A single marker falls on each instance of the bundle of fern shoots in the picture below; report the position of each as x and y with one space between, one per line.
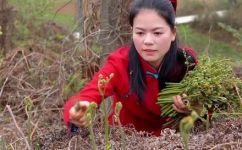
210 87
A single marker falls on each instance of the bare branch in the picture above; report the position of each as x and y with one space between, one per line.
20 131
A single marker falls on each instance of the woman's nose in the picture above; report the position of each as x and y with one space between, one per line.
148 39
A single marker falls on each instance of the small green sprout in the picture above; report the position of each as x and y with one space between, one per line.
29 107
186 124
118 108
102 86
90 115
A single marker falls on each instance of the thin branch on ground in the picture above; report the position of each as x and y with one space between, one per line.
20 131
35 127
224 144
3 86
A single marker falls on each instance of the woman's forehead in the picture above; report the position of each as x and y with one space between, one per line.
149 18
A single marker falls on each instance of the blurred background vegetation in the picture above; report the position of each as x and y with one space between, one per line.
218 35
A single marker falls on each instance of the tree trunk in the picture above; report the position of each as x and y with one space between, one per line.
104 37
108 19
80 16
114 24
7 26
232 3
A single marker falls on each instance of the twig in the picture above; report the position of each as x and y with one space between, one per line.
237 91
3 86
20 131
209 40
229 113
52 109
48 94
35 127
25 82
61 8
11 145
26 60
223 144
70 142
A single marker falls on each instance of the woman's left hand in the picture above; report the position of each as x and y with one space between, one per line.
179 106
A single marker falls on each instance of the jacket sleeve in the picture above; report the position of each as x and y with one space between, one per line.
91 92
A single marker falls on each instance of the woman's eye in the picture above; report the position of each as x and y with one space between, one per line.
139 33
158 33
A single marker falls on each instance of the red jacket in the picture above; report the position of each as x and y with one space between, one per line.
144 116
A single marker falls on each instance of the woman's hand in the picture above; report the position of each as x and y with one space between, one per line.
179 106
77 113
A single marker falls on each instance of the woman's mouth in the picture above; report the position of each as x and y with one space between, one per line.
149 51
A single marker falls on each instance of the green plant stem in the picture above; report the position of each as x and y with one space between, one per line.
118 108
29 127
92 137
28 108
186 124
90 114
106 126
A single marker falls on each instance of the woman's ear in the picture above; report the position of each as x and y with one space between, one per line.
173 34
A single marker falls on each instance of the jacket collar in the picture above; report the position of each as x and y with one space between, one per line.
148 69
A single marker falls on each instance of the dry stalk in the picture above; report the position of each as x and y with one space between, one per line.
12 146
35 127
51 109
238 93
70 143
26 60
18 128
224 144
61 8
4 83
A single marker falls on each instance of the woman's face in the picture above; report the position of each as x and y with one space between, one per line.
152 36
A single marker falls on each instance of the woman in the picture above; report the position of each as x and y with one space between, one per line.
140 70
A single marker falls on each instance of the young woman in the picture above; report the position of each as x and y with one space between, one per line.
140 70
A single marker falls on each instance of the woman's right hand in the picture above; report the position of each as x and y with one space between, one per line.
77 113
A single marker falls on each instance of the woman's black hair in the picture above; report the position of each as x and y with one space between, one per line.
165 9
